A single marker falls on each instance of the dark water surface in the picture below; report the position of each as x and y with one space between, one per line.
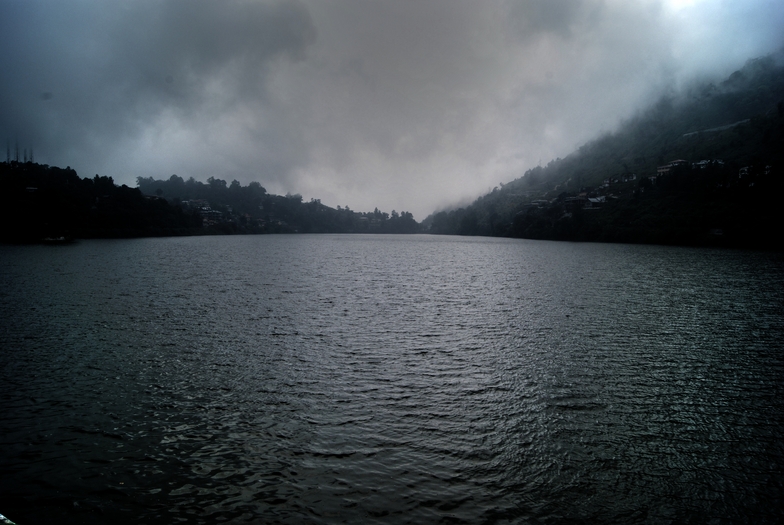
390 379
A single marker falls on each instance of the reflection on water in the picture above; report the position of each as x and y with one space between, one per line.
386 379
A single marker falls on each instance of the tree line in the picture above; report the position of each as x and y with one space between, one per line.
48 202
250 209
45 202
727 139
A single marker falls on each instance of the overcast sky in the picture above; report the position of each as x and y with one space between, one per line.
396 104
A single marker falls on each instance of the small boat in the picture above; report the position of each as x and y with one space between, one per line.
62 239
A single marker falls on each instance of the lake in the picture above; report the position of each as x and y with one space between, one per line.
390 379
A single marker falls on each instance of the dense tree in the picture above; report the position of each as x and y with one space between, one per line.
50 202
252 210
625 186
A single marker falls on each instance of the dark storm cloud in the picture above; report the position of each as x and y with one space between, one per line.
404 105
174 54
85 76
530 18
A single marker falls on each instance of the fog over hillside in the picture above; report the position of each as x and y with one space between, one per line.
399 105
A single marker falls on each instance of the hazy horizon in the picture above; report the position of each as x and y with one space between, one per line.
405 106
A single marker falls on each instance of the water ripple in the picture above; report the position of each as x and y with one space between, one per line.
362 379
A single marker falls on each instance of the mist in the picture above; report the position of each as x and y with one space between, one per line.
398 105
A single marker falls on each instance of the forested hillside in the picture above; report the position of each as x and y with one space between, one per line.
49 203
233 208
704 167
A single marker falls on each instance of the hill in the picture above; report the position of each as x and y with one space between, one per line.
701 168
233 208
44 202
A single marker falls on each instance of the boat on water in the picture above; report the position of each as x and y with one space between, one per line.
62 239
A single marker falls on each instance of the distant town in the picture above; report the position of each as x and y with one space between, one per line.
721 186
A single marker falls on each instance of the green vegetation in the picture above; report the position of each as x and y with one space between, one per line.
625 187
54 204
43 202
233 208
703 168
